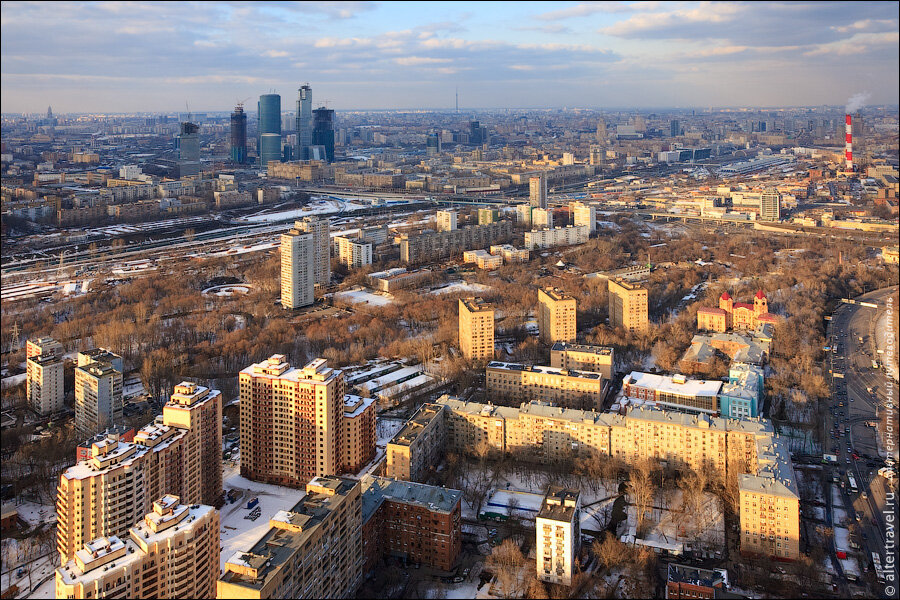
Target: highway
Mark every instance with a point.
(858, 399)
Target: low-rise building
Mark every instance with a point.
(398, 278)
(583, 357)
(418, 446)
(517, 382)
(675, 391)
(557, 236)
(684, 582)
(420, 523)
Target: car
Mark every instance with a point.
(864, 495)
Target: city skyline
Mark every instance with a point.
(121, 57)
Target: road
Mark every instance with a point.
(847, 429)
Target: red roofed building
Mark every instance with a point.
(735, 315)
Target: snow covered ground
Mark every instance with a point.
(386, 428)
(317, 207)
(239, 534)
(461, 286)
(359, 295)
(34, 514)
(13, 380)
(246, 249)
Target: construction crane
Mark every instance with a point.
(240, 103)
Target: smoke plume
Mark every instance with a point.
(857, 101)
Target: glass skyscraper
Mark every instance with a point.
(269, 125)
(323, 131)
(239, 135)
(304, 122)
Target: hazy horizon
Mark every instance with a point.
(115, 57)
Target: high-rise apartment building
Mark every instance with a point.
(628, 305)
(298, 275)
(320, 229)
(313, 550)
(304, 122)
(99, 383)
(584, 214)
(557, 236)
(674, 128)
(354, 253)
(476, 329)
(108, 493)
(770, 205)
(239, 135)
(189, 150)
(523, 213)
(357, 444)
(556, 316)
(558, 532)
(291, 421)
(602, 134)
(44, 378)
(542, 218)
(486, 216)
(537, 191)
(172, 553)
(445, 220)
(198, 410)
(323, 131)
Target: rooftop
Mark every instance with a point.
(277, 367)
(417, 424)
(376, 490)
(556, 294)
(544, 369)
(560, 504)
(676, 385)
(475, 305)
(566, 347)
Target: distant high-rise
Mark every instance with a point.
(601, 132)
(433, 144)
(538, 191)
(323, 131)
(304, 122)
(628, 305)
(297, 269)
(475, 133)
(189, 150)
(239, 135)
(556, 316)
(770, 205)
(320, 228)
(44, 386)
(98, 391)
(269, 112)
(476, 329)
(674, 128)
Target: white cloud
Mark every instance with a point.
(415, 61)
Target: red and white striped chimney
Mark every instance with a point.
(848, 146)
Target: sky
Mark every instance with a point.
(163, 56)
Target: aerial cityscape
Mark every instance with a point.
(449, 299)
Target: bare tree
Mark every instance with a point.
(506, 562)
(642, 491)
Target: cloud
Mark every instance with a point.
(585, 9)
(548, 28)
(276, 54)
(415, 61)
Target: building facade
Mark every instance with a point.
(557, 236)
(313, 550)
(172, 553)
(357, 433)
(320, 229)
(583, 357)
(735, 315)
(476, 329)
(109, 492)
(446, 220)
(290, 421)
(44, 376)
(556, 316)
(99, 384)
(298, 274)
(628, 306)
(558, 532)
(427, 247)
(418, 446)
(354, 253)
(537, 191)
(416, 522)
(516, 382)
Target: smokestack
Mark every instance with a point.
(848, 147)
